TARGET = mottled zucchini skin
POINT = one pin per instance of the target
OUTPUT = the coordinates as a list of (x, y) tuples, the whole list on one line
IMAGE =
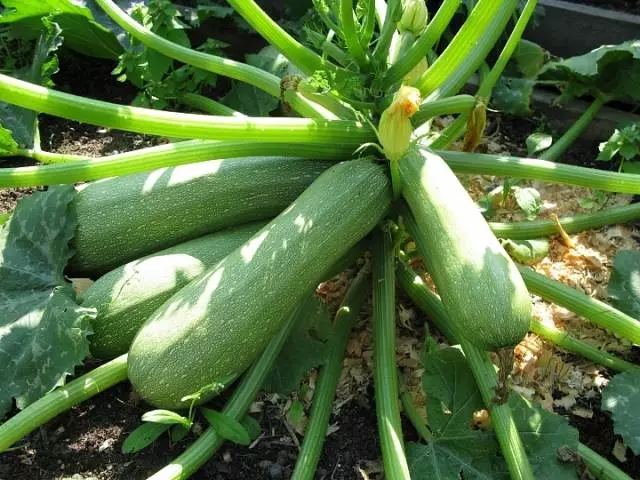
[(217, 325), (125, 218), (478, 282), (127, 296)]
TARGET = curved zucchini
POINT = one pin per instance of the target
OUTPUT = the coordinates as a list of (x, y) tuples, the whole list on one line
[(122, 219), (215, 327), (479, 284), (127, 296)]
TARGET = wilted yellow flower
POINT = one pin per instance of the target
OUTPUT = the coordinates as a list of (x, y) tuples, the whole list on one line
[(395, 128)]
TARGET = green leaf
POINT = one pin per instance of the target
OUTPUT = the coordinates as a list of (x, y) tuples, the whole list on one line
[(624, 141), (143, 436), (529, 201), (178, 433), (538, 141), (437, 462), (631, 167), (624, 285), (43, 332), (248, 99), (8, 146), (513, 96), (252, 427), (21, 122), (527, 251), (166, 417), (529, 58), (227, 427), (612, 70), (86, 27), (621, 397), (306, 348)]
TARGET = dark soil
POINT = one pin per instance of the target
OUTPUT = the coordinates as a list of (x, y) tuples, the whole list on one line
[(628, 6)]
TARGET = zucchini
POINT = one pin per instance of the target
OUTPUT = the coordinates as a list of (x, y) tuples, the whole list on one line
[(215, 327), (127, 296), (122, 219), (478, 282)]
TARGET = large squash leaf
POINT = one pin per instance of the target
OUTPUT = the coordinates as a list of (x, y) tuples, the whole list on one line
[(622, 399), (624, 286)]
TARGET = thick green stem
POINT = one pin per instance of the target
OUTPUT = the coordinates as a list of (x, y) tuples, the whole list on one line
[(391, 17), (62, 399), (600, 467), (211, 63), (49, 158), (425, 42), (443, 106), (209, 442), (325, 391), (303, 58), (483, 371), (207, 105), (169, 155), (561, 145), (385, 375), (350, 34), (570, 224), (180, 125), (369, 24), (414, 417), (427, 301), (597, 312), (467, 50), (532, 169)]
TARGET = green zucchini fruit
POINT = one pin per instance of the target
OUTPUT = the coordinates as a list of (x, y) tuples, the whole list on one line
[(215, 326), (127, 296), (478, 282), (125, 218)]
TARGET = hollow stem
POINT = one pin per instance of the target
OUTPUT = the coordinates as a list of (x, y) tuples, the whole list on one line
[(207, 105), (180, 125), (325, 391), (570, 224), (392, 15), (599, 313), (566, 140), (385, 374), (423, 44), (443, 106), (350, 34), (533, 169), (600, 467), (62, 399), (467, 50)]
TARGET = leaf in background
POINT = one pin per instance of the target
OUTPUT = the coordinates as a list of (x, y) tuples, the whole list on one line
[(306, 348), (513, 96), (631, 167), (250, 100), (613, 70), (21, 122), (43, 332), (624, 141), (252, 426), (437, 462), (528, 199), (624, 285), (8, 145), (529, 58), (143, 436), (86, 28), (178, 433), (296, 417), (538, 141), (227, 427), (621, 397)]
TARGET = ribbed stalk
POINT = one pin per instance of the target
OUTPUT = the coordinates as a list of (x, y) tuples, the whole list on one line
[(198, 453), (570, 224), (207, 105), (49, 158), (325, 391), (566, 140), (600, 467), (180, 125), (62, 399), (532, 169), (169, 155), (350, 34), (425, 42), (303, 58), (467, 50), (599, 313), (427, 301), (385, 375), (391, 17), (443, 106)]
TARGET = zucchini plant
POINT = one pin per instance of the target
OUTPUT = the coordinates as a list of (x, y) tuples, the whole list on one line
[(192, 293)]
